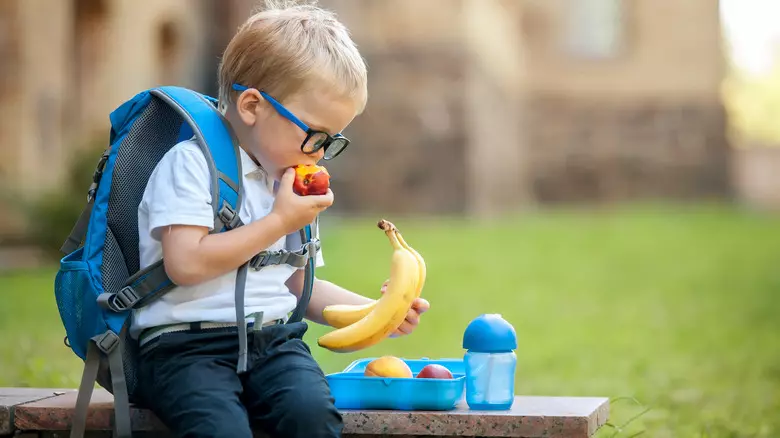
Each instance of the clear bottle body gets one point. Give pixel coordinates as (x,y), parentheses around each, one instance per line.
(490,380)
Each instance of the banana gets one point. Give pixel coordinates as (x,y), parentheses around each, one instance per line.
(342,315)
(420,262)
(389,311)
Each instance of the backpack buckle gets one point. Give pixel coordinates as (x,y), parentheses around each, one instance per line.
(91,192)
(107,341)
(311,248)
(266,258)
(229,217)
(120,301)
(97,176)
(99,168)
(126,297)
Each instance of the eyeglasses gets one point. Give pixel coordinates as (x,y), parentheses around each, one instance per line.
(315,140)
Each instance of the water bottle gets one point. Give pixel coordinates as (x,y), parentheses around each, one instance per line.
(490,363)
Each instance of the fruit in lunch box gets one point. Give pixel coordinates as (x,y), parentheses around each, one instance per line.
(387,366)
(390,310)
(343,315)
(434,371)
(311,179)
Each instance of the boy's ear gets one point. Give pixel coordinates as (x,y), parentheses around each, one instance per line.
(248,105)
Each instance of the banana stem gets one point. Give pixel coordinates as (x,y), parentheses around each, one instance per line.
(385,225)
(392,233)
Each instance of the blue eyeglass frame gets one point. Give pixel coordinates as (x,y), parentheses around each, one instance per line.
(284,112)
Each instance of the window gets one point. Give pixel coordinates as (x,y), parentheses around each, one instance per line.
(91,45)
(168,48)
(594,28)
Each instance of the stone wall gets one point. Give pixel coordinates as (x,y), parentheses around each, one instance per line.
(66,64)
(662,48)
(591,150)
(476,106)
(757,176)
(10,54)
(438,133)
(407,150)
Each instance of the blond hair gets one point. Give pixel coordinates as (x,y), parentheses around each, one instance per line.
(286,48)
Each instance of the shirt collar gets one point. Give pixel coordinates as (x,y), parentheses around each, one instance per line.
(253,171)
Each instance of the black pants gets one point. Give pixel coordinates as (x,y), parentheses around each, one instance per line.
(189,381)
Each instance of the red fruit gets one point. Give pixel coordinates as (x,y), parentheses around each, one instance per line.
(311,180)
(434,371)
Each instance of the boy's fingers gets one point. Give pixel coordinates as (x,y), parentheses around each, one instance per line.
(412,317)
(287,177)
(421,305)
(405,328)
(327,200)
(321,201)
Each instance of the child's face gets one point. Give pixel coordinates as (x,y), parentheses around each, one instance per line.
(279,133)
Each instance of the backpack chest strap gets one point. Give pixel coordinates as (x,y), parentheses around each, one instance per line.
(296,259)
(151,282)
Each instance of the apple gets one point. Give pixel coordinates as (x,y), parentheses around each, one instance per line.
(311,180)
(387,366)
(434,371)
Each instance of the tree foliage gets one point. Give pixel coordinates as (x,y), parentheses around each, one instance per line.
(753,102)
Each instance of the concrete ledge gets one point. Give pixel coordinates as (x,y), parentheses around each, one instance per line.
(36,412)
(12,397)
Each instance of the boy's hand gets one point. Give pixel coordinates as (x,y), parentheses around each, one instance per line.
(419,306)
(297,211)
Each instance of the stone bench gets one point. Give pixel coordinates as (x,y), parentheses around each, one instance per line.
(31,412)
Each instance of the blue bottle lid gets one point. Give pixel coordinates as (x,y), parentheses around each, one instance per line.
(489,333)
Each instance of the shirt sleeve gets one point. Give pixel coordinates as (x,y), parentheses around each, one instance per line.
(178,190)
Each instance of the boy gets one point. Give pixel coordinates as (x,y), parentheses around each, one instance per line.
(290,80)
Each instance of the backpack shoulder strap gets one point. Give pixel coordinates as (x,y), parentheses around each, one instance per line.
(308,238)
(220,147)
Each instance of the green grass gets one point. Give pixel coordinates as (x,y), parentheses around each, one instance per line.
(672,313)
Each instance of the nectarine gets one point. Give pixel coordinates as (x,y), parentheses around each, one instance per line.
(311,180)
(434,371)
(387,366)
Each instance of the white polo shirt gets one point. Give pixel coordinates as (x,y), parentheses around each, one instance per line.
(178,193)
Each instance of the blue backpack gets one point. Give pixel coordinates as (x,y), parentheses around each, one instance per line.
(99,281)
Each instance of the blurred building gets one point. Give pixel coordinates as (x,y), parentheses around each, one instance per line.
(476,106)
(487,105)
(66,64)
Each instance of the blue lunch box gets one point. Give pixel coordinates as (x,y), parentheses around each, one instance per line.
(352,390)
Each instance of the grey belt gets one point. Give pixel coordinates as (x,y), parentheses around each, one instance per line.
(151,334)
